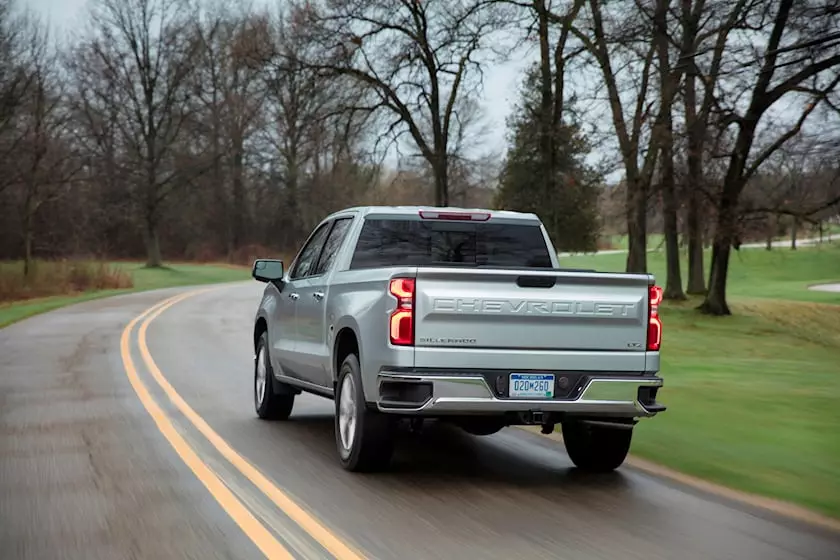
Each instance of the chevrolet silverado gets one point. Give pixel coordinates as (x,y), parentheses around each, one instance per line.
(464,316)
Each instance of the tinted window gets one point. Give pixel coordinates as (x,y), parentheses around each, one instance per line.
(415,243)
(333,243)
(310,252)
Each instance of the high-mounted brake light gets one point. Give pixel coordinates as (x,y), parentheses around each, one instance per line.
(654,334)
(401,324)
(458,216)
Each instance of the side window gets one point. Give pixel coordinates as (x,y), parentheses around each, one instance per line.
(331,246)
(310,253)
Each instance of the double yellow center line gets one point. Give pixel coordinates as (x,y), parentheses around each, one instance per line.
(256,531)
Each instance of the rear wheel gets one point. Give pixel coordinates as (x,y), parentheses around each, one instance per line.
(269,403)
(364,437)
(596,448)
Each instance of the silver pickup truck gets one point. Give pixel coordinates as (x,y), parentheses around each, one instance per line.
(407,313)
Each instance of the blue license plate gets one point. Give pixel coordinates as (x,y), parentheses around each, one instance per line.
(531,386)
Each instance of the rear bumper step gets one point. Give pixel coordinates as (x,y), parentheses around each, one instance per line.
(441,394)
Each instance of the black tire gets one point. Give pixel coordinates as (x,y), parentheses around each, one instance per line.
(275,404)
(372,444)
(596,448)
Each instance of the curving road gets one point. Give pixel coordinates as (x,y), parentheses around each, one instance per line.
(142,443)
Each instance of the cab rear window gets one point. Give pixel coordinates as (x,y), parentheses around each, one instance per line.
(390,242)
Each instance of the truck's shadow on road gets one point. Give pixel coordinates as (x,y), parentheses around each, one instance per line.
(445,454)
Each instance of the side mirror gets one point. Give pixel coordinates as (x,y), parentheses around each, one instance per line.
(267,270)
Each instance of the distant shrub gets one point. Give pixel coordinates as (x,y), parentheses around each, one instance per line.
(52,278)
(606,244)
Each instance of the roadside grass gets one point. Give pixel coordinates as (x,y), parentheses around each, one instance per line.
(753,399)
(60,283)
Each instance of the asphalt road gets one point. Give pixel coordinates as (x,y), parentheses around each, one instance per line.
(145,445)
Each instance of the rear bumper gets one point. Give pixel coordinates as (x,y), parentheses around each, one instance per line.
(595,394)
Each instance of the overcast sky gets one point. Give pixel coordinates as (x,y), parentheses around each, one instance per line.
(501,81)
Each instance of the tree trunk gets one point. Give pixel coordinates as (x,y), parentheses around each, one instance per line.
(715,302)
(441,180)
(153,257)
(238,197)
(793,231)
(673,276)
(293,225)
(546,120)
(768,246)
(696,276)
(27,235)
(694,179)
(636,202)
(27,249)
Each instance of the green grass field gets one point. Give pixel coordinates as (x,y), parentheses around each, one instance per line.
(753,399)
(142,279)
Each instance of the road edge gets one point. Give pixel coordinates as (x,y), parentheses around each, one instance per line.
(785,509)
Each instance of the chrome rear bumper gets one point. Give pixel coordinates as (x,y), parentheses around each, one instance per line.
(601,395)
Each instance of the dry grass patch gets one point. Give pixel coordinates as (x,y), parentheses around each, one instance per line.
(66,277)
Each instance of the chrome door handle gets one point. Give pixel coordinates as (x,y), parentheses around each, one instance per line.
(294,296)
(318,295)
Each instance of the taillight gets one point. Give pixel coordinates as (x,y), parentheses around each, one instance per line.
(401,324)
(654,334)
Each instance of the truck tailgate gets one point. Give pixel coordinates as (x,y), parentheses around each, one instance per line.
(531,319)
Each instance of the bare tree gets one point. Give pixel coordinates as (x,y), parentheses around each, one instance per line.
(300,100)
(14,79)
(44,161)
(669,81)
(418,57)
(145,50)
(230,95)
(800,185)
(622,46)
(801,57)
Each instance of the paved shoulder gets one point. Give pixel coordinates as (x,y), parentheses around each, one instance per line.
(826,287)
(84,473)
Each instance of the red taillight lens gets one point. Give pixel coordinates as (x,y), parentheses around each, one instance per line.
(654,334)
(401,324)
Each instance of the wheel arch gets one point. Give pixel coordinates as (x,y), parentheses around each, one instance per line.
(347,341)
(260,327)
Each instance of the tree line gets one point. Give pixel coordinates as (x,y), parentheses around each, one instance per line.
(217,129)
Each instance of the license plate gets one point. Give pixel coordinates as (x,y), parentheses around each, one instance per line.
(531,386)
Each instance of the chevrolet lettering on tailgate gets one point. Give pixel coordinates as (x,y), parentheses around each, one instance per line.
(535,307)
